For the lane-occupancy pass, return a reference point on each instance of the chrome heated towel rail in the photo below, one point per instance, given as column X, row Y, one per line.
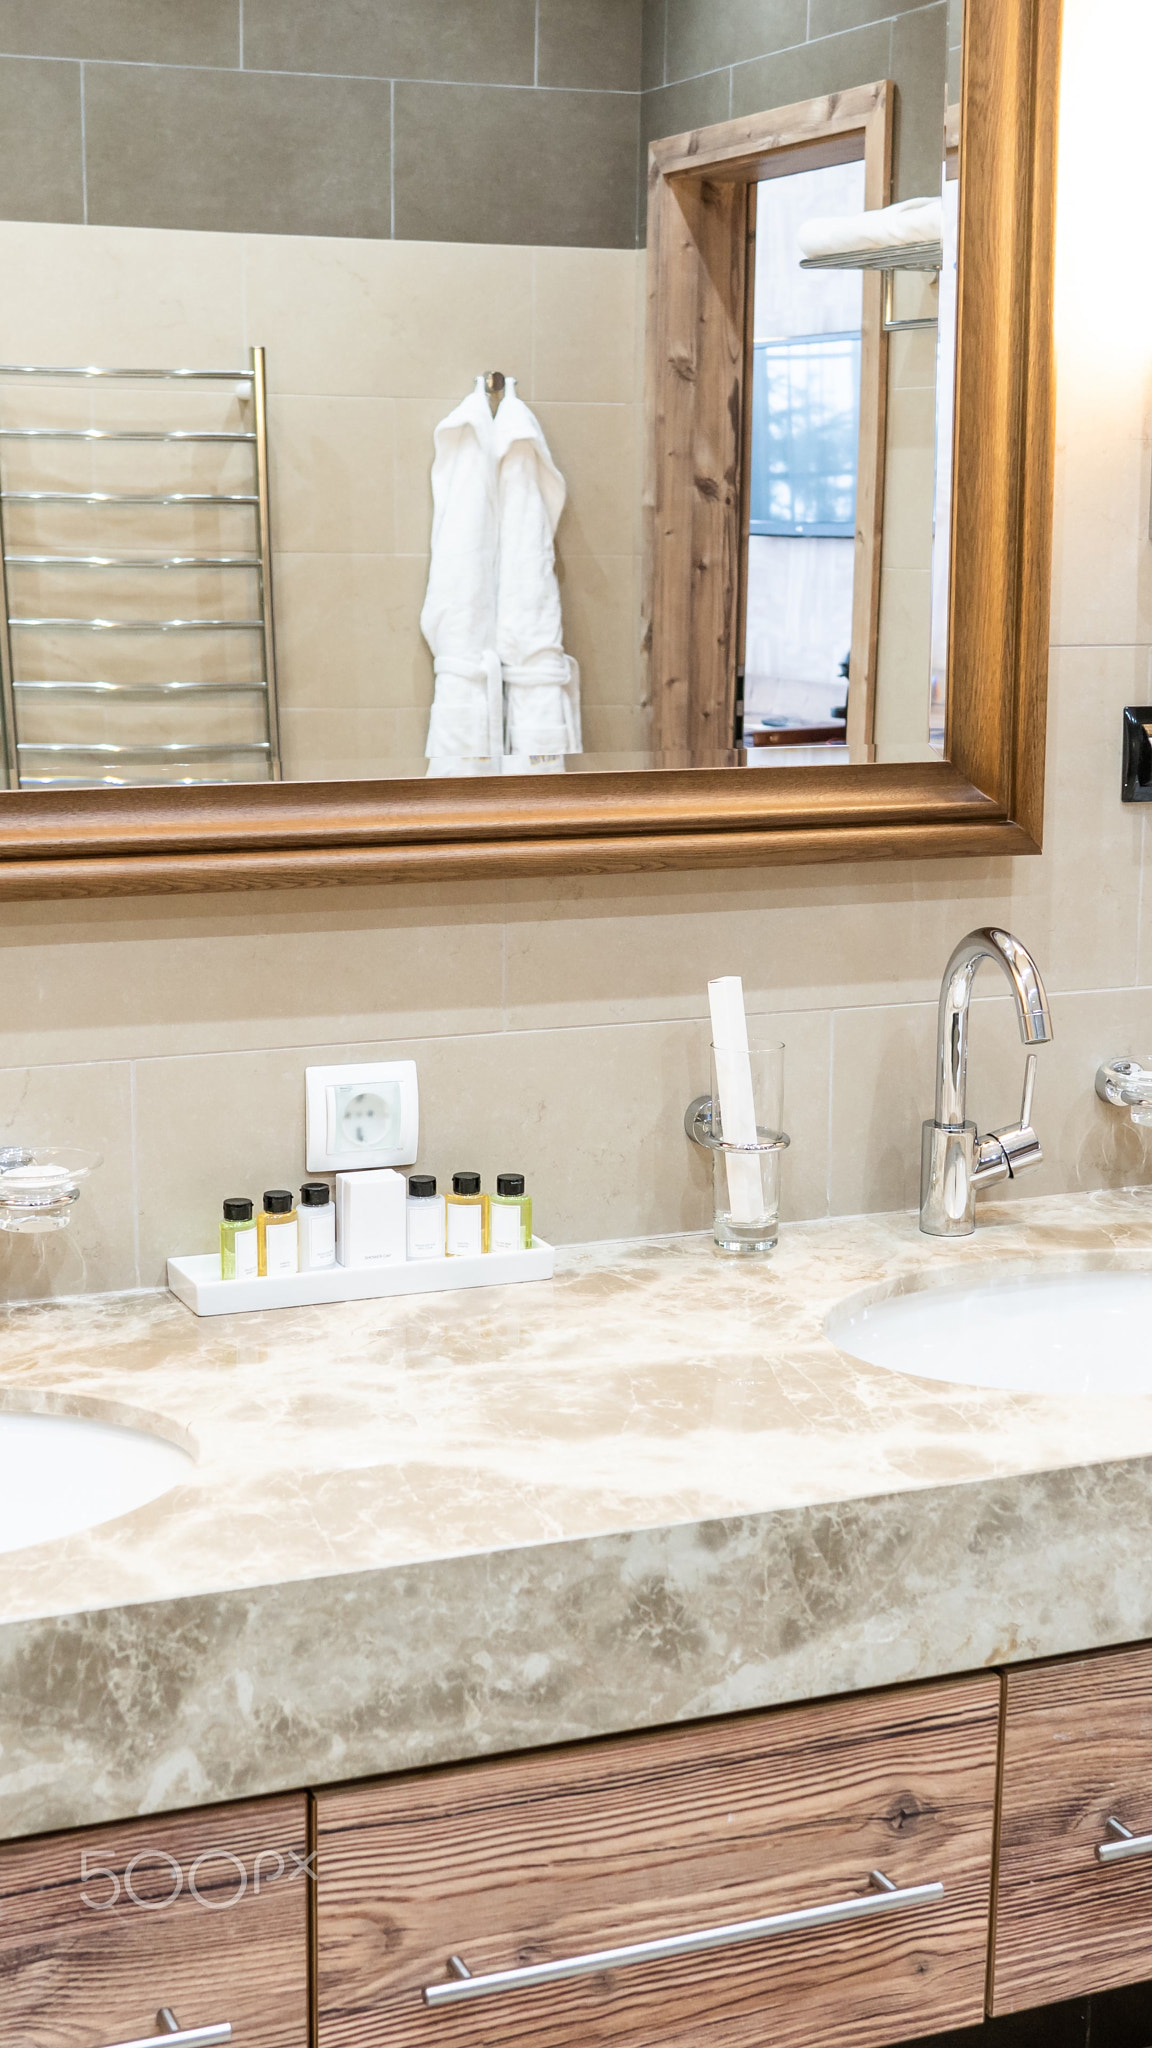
column 42, row 763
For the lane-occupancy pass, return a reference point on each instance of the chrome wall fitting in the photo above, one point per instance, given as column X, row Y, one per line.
column 1125, row 1084
column 955, row 1162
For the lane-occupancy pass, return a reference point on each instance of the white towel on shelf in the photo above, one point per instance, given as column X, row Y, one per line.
column 541, row 682
column 458, row 620
column 885, row 227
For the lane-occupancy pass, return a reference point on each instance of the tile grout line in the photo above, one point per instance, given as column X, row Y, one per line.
column 1140, row 900
column 789, row 49
column 83, row 150
column 828, row 1153
column 609, row 92
column 132, row 1133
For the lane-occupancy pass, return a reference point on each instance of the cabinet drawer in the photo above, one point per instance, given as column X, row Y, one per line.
column 564, row 1854
column 206, row 1913
column 1077, row 1754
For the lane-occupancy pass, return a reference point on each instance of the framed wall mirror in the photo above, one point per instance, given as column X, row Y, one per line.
column 784, row 598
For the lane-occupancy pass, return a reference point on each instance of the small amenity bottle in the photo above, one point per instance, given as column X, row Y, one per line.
column 509, row 1216
column 316, row 1220
column 465, row 1217
column 277, row 1235
column 426, row 1231
column 238, row 1247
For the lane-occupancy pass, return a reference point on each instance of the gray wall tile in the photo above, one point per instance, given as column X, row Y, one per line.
column 249, row 152
column 594, row 43
column 829, row 17
column 856, row 58
column 704, row 34
column 652, row 53
column 919, row 65
column 480, row 163
column 41, row 169
column 487, row 41
column 696, row 103
column 133, row 31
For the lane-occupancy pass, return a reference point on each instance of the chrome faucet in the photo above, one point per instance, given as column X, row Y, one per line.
column 955, row 1163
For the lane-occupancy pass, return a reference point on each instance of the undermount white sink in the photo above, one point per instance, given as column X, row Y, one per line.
column 61, row 1473
column 1036, row 1332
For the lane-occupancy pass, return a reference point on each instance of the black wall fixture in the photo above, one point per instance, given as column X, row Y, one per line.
column 1136, row 782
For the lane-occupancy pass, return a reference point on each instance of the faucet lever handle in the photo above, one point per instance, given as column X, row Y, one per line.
column 1029, row 1086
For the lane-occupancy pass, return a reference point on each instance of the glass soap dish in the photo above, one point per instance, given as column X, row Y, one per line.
column 39, row 1184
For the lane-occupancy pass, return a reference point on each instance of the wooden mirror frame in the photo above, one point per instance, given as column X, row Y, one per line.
column 985, row 797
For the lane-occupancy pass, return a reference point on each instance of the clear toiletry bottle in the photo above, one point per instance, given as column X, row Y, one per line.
column 426, row 1229
column 277, row 1235
column 238, row 1248
column 465, row 1217
column 316, row 1220
column 508, row 1217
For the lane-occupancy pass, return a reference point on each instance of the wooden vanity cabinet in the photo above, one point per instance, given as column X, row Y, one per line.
column 206, row 1913
column 565, row 1853
column 1077, row 1755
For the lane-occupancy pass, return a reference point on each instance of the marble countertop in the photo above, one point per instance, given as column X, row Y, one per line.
column 450, row 1525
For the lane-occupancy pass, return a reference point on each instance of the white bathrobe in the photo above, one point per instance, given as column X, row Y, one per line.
column 541, row 682
column 506, row 694
column 465, row 729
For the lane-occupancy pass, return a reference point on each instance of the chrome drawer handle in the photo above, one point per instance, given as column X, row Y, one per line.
column 1123, row 1845
column 885, row 1897
column 173, row 2035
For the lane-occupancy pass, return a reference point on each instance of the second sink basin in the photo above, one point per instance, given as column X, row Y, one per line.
column 1047, row 1333
column 61, row 1473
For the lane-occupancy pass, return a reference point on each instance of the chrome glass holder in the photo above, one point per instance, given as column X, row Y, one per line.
column 698, row 1127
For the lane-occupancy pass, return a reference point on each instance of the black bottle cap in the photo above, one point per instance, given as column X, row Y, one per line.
column 421, row 1185
column 465, row 1183
column 315, row 1193
column 277, row 1202
column 237, row 1209
column 510, row 1184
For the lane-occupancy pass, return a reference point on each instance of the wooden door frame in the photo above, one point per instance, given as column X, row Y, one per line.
column 701, row 236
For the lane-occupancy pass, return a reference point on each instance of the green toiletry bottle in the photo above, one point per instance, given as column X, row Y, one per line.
column 238, row 1250
column 508, row 1216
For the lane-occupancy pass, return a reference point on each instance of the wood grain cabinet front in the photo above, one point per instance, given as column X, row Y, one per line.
column 202, row 1916
column 613, row 1892
column 1074, row 1879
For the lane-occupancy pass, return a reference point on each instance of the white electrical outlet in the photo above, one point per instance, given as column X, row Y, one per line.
column 361, row 1116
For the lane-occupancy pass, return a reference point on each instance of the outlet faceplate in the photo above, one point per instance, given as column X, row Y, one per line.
column 361, row 1116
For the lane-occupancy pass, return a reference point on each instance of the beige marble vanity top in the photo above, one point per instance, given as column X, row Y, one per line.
column 646, row 1490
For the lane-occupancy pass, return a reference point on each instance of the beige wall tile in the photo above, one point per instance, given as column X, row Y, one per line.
column 594, row 447
column 1100, row 553
column 89, row 1106
column 291, row 968
column 598, row 595
column 351, row 746
column 121, row 296
column 388, row 319
column 348, row 631
column 332, row 462
column 585, row 338
column 507, row 1101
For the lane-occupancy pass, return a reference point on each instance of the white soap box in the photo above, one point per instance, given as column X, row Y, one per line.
column 196, row 1280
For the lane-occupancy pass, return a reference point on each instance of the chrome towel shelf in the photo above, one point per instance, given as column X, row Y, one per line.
column 129, row 756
